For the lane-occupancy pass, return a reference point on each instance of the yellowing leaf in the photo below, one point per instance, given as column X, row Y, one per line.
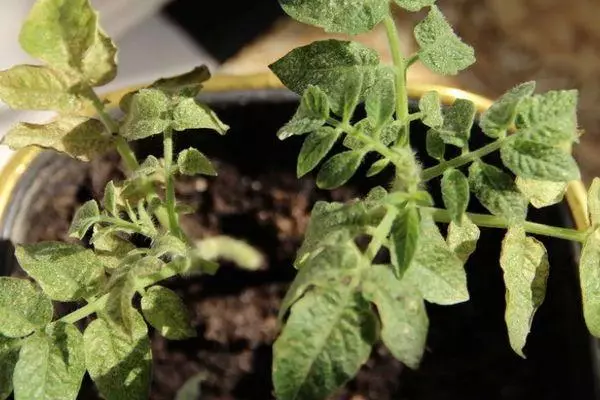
column 462, row 237
column 594, row 201
column 525, row 265
column 541, row 193
column 189, row 114
column 99, row 65
column 589, row 278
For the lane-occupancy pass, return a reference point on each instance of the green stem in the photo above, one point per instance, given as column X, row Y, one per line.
column 170, row 189
column 381, row 233
column 466, row 158
column 492, row 221
column 399, row 68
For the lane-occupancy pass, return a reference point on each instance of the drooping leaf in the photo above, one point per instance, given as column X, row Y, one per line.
column 310, row 116
column 381, row 97
column 458, row 121
column 497, row 119
column 337, row 263
column 99, row 65
column 541, row 193
column 434, row 144
column 9, row 354
column 148, row 115
column 23, row 307
column 436, row 271
column 338, row 16
column 442, row 51
column 192, row 162
column 525, row 265
column 29, row 87
column 414, row 5
column 594, row 201
column 51, row 364
column 497, row 191
column 315, row 148
column 462, row 237
column 85, row 217
column 66, row 272
column 187, row 84
column 80, row 137
column 339, row 169
column 549, row 118
column 332, row 65
column 401, row 309
column 533, row 160
column 377, row 167
column 431, row 106
column 189, row 114
column 167, row 313
column 326, row 339
column 455, row 193
column 119, row 363
column 404, row 239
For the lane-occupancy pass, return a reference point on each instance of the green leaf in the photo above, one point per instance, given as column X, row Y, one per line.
column 434, row 144
column 404, row 239
column 549, row 118
column 310, row 116
column 462, row 237
column 497, row 119
column 593, row 199
column 338, row 16
column 327, row 338
column 66, row 272
column 189, row 114
column 589, row 277
column 430, row 105
column 442, row 51
column 332, row 65
column 23, row 307
column 532, row 160
column 315, row 148
column 80, row 137
column 51, row 364
column 85, row 217
column 380, row 99
column 9, row 354
column 541, row 193
column 192, row 162
column 99, row 65
column 458, row 121
column 110, row 199
column 339, row 169
column 414, row 5
column 29, row 87
column 148, row 115
column 167, row 313
column 227, row 248
column 402, row 312
column 455, row 193
column 377, row 167
column 149, row 167
column 436, row 271
column 525, row 265
column 187, row 84
column 336, row 263
column 119, row 363
column 110, row 248
column 497, row 192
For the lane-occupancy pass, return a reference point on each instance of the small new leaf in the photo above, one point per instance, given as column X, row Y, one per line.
column 85, row 217
column 51, row 364
column 404, row 239
column 192, row 162
column 431, row 107
column 332, row 65
column 401, row 308
column 148, row 115
column 338, row 16
column 442, row 51
column 339, row 169
column 315, row 148
column 533, row 160
column 9, row 354
column 541, row 193
column 23, row 307
column 525, row 265
column 497, row 119
column 455, row 193
column 462, row 237
column 497, row 192
column 310, row 116
column 458, row 121
column 189, row 114
column 66, row 272
column 167, row 313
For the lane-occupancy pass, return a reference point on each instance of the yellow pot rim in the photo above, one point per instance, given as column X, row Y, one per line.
column 12, row 172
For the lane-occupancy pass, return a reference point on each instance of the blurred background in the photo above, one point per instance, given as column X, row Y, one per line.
column 554, row 42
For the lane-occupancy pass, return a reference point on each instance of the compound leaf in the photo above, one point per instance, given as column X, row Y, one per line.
column 167, row 313
column 23, row 307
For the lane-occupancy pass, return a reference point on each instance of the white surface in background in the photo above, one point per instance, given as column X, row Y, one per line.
column 149, row 47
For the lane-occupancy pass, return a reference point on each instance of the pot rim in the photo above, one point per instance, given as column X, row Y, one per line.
column 19, row 162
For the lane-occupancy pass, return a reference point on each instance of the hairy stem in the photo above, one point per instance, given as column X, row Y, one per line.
column 492, row 221
column 170, row 190
column 381, row 233
column 399, row 69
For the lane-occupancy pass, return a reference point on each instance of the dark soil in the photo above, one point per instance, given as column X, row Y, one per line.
column 258, row 198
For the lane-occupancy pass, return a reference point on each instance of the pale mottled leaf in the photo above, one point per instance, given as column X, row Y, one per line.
column 99, row 65
column 541, row 193
column 434, row 144
column 311, row 115
column 9, row 354
column 187, row 84
column 315, row 148
column 380, row 99
column 85, row 217
column 594, row 201
column 377, row 167
column 189, row 114
column 589, row 277
column 455, row 193
column 23, row 307
column 462, row 237
column 228, row 248
column 167, row 313
column 497, row 119
column 431, row 106
column 414, row 5
column 458, row 121
column 192, row 162
column 148, row 115
column 339, row 169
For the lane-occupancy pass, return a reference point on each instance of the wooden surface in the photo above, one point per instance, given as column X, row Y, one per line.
column 555, row 42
